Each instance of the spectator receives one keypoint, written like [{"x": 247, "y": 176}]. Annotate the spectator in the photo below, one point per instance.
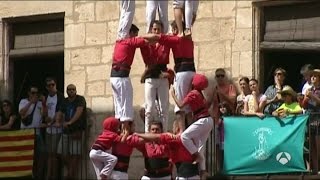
[
  {"x": 244, "y": 91},
  {"x": 9, "y": 120},
  {"x": 54, "y": 102},
  {"x": 274, "y": 100},
  {"x": 74, "y": 125},
  {"x": 306, "y": 71},
  {"x": 31, "y": 108},
  {"x": 224, "y": 91},
  {"x": 254, "y": 102},
  {"x": 290, "y": 105},
  {"x": 311, "y": 103}
]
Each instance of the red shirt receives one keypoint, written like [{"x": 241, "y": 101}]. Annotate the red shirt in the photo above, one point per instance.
[
  {"x": 124, "y": 50},
  {"x": 106, "y": 139},
  {"x": 159, "y": 53},
  {"x": 126, "y": 148},
  {"x": 197, "y": 103},
  {"x": 177, "y": 151},
  {"x": 184, "y": 49}
]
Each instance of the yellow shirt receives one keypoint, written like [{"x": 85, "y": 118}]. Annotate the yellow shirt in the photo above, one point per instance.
[{"x": 291, "y": 108}]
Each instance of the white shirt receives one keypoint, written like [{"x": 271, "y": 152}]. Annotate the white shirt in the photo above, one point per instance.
[
  {"x": 51, "y": 105},
  {"x": 36, "y": 115},
  {"x": 305, "y": 87}
]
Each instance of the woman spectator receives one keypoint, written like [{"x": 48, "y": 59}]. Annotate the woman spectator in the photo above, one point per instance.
[
  {"x": 9, "y": 120},
  {"x": 290, "y": 105},
  {"x": 311, "y": 103},
  {"x": 244, "y": 91},
  {"x": 254, "y": 102},
  {"x": 274, "y": 100}
]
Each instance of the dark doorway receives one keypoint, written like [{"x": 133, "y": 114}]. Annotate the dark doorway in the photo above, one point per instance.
[
  {"x": 291, "y": 61},
  {"x": 34, "y": 70}
]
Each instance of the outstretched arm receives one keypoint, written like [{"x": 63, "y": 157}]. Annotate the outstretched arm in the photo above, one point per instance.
[{"x": 149, "y": 136}]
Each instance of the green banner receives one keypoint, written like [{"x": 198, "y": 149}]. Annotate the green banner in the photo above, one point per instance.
[{"x": 260, "y": 146}]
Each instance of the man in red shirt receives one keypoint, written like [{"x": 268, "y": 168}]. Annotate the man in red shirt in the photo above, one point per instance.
[
  {"x": 178, "y": 154},
  {"x": 156, "y": 58},
  {"x": 123, "y": 55}
]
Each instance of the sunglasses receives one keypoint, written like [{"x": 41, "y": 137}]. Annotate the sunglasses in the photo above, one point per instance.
[
  {"x": 34, "y": 92},
  {"x": 220, "y": 75},
  {"x": 51, "y": 85},
  {"x": 278, "y": 74},
  {"x": 5, "y": 105},
  {"x": 71, "y": 89}
]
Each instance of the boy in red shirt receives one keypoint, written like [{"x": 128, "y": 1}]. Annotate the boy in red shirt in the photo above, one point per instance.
[
  {"x": 102, "y": 159},
  {"x": 196, "y": 135}
]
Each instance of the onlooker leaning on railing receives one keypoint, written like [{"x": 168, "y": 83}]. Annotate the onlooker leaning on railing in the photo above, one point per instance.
[
  {"x": 244, "y": 91},
  {"x": 30, "y": 110},
  {"x": 254, "y": 102},
  {"x": 311, "y": 103}
]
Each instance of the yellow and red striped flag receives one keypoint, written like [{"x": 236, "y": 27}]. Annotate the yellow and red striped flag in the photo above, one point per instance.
[{"x": 16, "y": 153}]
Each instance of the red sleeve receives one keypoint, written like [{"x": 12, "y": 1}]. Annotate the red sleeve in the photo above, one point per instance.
[
  {"x": 167, "y": 139},
  {"x": 189, "y": 98},
  {"x": 137, "y": 42},
  {"x": 169, "y": 40},
  {"x": 145, "y": 53},
  {"x": 116, "y": 138},
  {"x": 134, "y": 141}
]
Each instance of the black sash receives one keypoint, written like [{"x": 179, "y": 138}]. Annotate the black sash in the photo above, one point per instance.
[
  {"x": 122, "y": 164},
  {"x": 184, "y": 64},
  {"x": 120, "y": 70},
  {"x": 187, "y": 169},
  {"x": 155, "y": 70},
  {"x": 157, "y": 167}
]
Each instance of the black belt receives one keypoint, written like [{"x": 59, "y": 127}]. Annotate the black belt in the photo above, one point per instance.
[
  {"x": 155, "y": 70},
  {"x": 184, "y": 64},
  {"x": 187, "y": 169}
]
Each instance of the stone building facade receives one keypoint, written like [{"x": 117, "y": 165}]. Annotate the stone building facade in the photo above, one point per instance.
[{"x": 222, "y": 35}]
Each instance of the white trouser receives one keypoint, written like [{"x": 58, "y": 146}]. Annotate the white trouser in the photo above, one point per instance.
[
  {"x": 189, "y": 178},
  {"x": 190, "y": 9},
  {"x": 182, "y": 86},
  {"x": 151, "y": 9},
  {"x": 152, "y": 88},
  {"x": 118, "y": 175},
  {"x": 161, "y": 178},
  {"x": 122, "y": 97},
  {"x": 126, "y": 17},
  {"x": 103, "y": 162},
  {"x": 195, "y": 136}
]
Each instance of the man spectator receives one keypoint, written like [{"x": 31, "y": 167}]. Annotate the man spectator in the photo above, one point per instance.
[
  {"x": 30, "y": 110},
  {"x": 74, "y": 125},
  {"x": 54, "y": 102}
]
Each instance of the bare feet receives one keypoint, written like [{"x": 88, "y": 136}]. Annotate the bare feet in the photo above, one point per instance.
[
  {"x": 180, "y": 34},
  {"x": 187, "y": 32}
]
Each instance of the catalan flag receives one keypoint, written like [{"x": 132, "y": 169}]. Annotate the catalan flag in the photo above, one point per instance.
[{"x": 16, "y": 153}]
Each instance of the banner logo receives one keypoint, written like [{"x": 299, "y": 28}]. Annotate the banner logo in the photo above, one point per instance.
[
  {"x": 262, "y": 151},
  {"x": 283, "y": 157}
]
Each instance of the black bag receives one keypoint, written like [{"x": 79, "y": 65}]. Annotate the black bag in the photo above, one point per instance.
[{"x": 28, "y": 119}]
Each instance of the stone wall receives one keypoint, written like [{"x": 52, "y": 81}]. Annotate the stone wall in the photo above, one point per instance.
[{"x": 222, "y": 35}]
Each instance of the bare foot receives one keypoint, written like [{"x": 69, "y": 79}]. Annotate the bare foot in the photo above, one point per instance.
[
  {"x": 187, "y": 32},
  {"x": 180, "y": 34}
]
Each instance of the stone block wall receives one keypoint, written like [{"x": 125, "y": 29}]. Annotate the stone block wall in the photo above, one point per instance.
[{"x": 222, "y": 35}]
